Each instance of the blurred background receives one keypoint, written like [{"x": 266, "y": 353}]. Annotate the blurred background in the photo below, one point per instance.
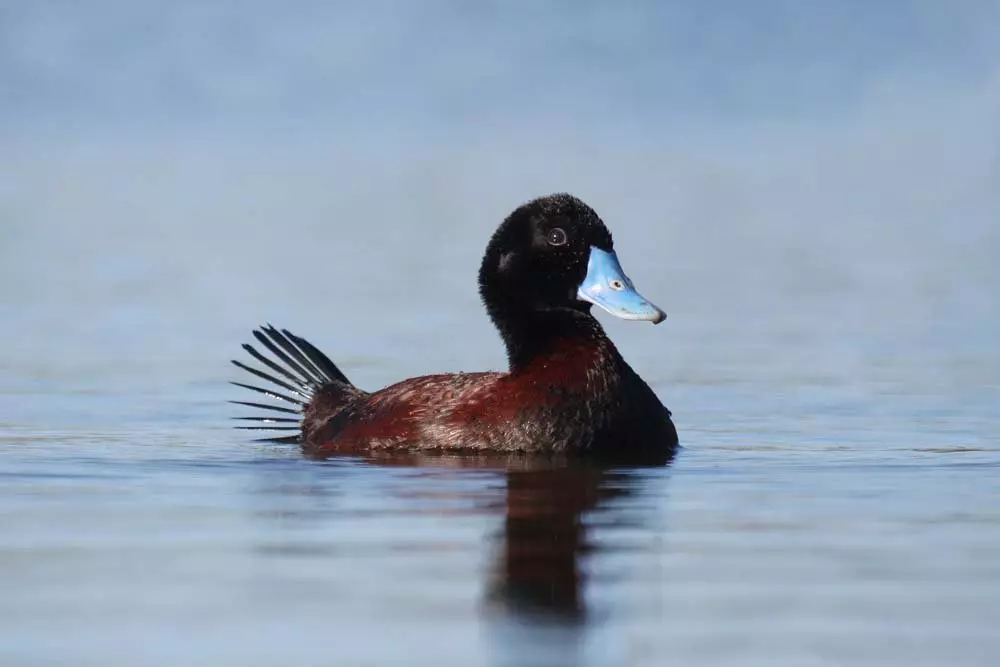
[{"x": 810, "y": 190}]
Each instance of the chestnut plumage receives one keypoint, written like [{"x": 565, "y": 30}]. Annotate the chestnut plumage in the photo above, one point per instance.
[{"x": 567, "y": 389}]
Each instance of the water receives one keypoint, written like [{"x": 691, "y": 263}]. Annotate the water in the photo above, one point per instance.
[
  {"x": 820, "y": 225},
  {"x": 836, "y": 500}
]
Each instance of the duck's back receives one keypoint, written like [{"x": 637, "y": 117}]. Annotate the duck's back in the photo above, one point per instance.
[
  {"x": 418, "y": 413},
  {"x": 564, "y": 402}
]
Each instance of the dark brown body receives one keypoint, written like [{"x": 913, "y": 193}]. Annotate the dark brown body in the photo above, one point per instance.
[{"x": 578, "y": 396}]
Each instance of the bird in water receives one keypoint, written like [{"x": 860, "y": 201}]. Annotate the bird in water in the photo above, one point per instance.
[{"x": 567, "y": 389}]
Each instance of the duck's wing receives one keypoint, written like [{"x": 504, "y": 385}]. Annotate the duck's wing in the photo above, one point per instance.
[
  {"x": 427, "y": 412},
  {"x": 297, "y": 374}
]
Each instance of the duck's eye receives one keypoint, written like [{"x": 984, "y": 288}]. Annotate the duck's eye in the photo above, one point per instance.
[{"x": 556, "y": 236}]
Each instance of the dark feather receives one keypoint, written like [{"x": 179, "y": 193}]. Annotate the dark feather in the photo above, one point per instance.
[
  {"x": 309, "y": 379},
  {"x": 267, "y": 428},
  {"x": 324, "y": 363},
  {"x": 298, "y": 369},
  {"x": 268, "y": 392},
  {"x": 264, "y": 376},
  {"x": 290, "y": 347},
  {"x": 265, "y": 406},
  {"x": 281, "y": 440},
  {"x": 273, "y": 366}
]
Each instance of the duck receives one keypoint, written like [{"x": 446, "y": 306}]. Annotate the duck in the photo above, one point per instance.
[{"x": 567, "y": 389}]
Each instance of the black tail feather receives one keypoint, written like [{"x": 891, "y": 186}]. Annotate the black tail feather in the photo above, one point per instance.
[
  {"x": 328, "y": 368},
  {"x": 268, "y": 392},
  {"x": 267, "y": 428},
  {"x": 274, "y": 367},
  {"x": 265, "y": 406},
  {"x": 291, "y": 363},
  {"x": 280, "y": 338},
  {"x": 283, "y": 440},
  {"x": 296, "y": 367},
  {"x": 270, "y": 378}
]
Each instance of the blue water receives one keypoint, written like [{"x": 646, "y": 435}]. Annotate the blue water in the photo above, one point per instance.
[{"x": 811, "y": 198}]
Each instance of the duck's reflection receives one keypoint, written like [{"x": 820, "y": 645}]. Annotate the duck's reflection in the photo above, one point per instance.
[
  {"x": 536, "y": 572},
  {"x": 538, "y": 566}
]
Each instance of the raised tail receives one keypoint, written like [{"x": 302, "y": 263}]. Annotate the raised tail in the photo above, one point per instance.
[{"x": 298, "y": 372}]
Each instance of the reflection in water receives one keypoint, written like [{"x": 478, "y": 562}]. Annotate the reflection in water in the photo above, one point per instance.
[
  {"x": 534, "y": 581},
  {"x": 538, "y": 576},
  {"x": 538, "y": 569},
  {"x": 543, "y": 539},
  {"x": 538, "y": 572}
]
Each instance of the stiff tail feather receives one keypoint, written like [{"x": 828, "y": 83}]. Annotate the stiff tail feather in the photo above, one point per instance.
[{"x": 297, "y": 370}]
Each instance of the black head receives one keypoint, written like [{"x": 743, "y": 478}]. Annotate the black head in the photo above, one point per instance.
[{"x": 555, "y": 253}]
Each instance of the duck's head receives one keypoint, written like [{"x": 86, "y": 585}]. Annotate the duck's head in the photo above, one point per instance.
[{"x": 554, "y": 253}]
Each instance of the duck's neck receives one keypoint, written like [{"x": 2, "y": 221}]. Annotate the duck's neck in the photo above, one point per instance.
[{"x": 539, "y": 335}]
